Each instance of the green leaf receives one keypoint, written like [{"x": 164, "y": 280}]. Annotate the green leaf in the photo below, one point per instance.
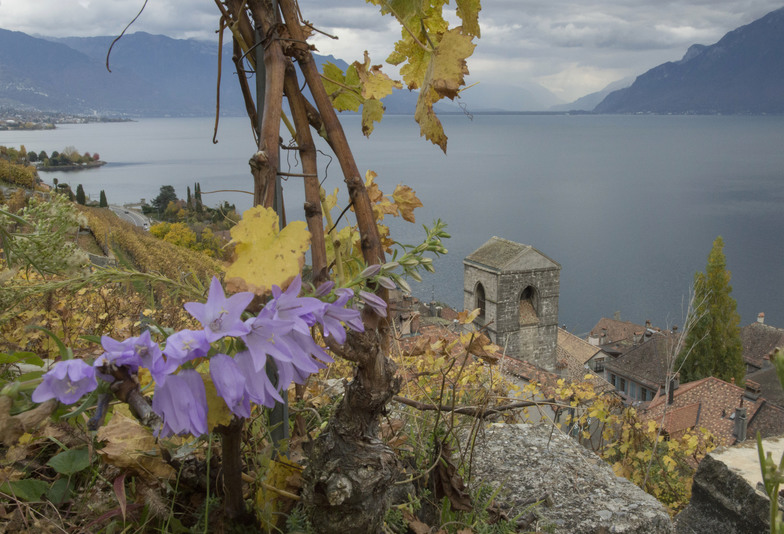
[
  {"x": 28, "y": 489},
  {"x": 32, "y": 375},
  {"x": 60, "y": 491},
  {"x": 344, "y": 90},
  {"x": 65, "y": 352},
  {"x": 21, "y": 357},
  {"x": 70, "y": 461}
]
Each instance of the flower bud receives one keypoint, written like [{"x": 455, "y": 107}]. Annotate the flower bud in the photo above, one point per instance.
[
  {"x": 386, "y": 282},
  {"x": 371, "y": 270},
  {"x": 391, "y": 265}
]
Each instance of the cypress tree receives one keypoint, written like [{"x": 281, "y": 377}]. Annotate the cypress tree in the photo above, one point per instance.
[
  {"x": 197, "y": 196},
  {"x": 189, "y": 199},
  {"x": 80, "y": 197},
  {"x": 102, "y": 203},
  {"x": 713, "y": 346}
]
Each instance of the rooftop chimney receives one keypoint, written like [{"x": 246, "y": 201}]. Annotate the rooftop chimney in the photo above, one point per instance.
[
  {"x": 674, "y": 383},
  {"x": 740, "y": 424},
  {"x": 637, "y": 338},
  {"x": 674, "y": 328},
  {"x": 761, "y": 317},
  {"x": 593, "y": 339},
  {"x": 647, "y": 323},
  {"x": 752, "y": 391}
]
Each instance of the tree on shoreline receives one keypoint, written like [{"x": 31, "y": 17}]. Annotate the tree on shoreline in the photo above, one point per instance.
[
  {"x": 102, "y": 203},
  {"x": 713, "y": 345}
]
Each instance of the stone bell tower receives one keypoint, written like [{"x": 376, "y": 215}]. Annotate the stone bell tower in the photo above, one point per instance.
[{"x": 516, "y": 288}]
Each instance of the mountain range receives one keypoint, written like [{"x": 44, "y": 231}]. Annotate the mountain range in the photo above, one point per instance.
[
  {"x": 154, "y": 75},
  {"x": 743, "y": 73}
]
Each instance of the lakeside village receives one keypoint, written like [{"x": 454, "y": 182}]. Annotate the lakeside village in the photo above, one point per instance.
[
  {"x": 515, "y": 289},
  {"x": 16, "y": 119}
]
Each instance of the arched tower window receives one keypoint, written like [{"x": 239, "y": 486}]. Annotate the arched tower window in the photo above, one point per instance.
[
  {"x": 480, "y": 299},
  {"x": 529, "y": 306}
]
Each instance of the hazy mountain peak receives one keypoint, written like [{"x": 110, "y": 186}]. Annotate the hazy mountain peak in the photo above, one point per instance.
[{"x": 742, "y": 73}]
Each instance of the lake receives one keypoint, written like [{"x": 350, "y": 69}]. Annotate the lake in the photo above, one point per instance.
[{"x": 628, "y": 205}]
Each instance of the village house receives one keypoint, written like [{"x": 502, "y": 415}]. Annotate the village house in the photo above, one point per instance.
[
  {"x": 642, "y": 371},
  {"x": 575, "y": 358},
  {"x": 759, "y": 341},
  {"x": 731, "y": 413}
]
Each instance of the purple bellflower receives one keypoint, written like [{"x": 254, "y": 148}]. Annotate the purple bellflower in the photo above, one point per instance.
[
  {"x": 119, "y": 353},
  {"x": 336, "y": 312},
  {"x": 301, "y": 312},
  {"x": 220, "y": 316},
  {"x": 67, "y": 382},
  {"x": 186, "y": 345},
  {"x": 257, "y": 384},
  {"x": 229, "y": 382},
  {"x": 265, "y": 338},
  {"x": 181, "y": 401}
]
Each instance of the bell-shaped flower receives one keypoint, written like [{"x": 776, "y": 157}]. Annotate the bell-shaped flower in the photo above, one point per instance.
[
  {"x": 261, "y": 340},
  {"x": 303, "y": 349},
  {"x": 336, "y": 313},
  {"x": 257, "y": 384},
  {"x": 221, "y": 316},
  {"x": 120, "y": 353},
  {"x": 287, "y": 305},
  {"x": 68, "y": 381},
  {"x": 147, "y": 350},
  {"x": 229, "y": 382},
  {"x": 181, "y": 402},
  {"x": 186, "y": 345}
]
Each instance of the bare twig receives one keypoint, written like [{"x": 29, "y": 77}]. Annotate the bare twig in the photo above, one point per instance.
[{"x": 474, "y": 411}]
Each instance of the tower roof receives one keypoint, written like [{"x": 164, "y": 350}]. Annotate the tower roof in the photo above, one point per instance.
[{"x": 500, "y": 254}]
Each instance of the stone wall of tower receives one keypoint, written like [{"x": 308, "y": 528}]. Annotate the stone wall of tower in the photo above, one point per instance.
[
  {"x": 473, "y": 275},
  {"x": 535, "y": 343}
]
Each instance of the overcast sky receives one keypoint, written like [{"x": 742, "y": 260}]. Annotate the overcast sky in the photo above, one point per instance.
[{"x": 570, "y": 47}]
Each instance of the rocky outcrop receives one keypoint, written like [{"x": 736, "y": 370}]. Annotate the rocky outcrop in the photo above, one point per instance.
[
  {"x": 725, "y": 498},
  {"x": 579, "y": 492}
]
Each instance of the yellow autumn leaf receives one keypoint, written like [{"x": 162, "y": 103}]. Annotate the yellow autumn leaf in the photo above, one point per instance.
[
  {"x": 330, "y": 201},
  {"x": 406, "y": 201},
  {"x": 651, "y": 426},
  {"x": 374, "y": 193},
  {"x": 445, "y": 75},
  {"x": 468, "y": 11},
  {"x": 130, "y": 445},
  {"x": 218, "y": 412},
  {"x": 375, "y": 84},
  {"x": 282, "y": 475},
  {"x": 466, "y": 317},
  {"x": 265, "y": 256}
]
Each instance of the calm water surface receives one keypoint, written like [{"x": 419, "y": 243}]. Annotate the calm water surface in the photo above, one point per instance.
[{"x": 628, "y": 205}]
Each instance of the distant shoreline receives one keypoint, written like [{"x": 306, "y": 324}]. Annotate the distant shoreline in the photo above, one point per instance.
[{"x": 73, "y": 167}]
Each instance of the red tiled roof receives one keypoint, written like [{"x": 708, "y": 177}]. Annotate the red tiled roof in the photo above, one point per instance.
[
  {"x": 677, "y": 421},
  {"x": 717, "y": 401}
]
